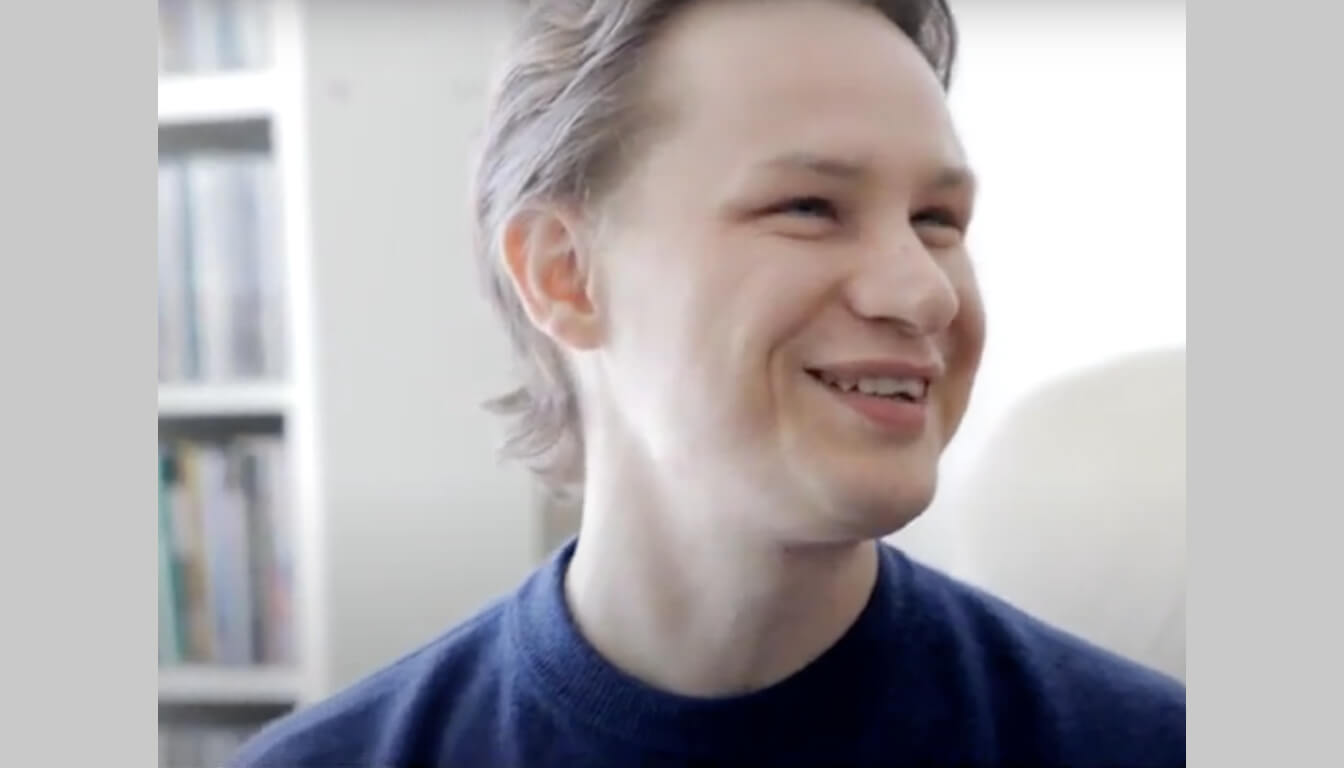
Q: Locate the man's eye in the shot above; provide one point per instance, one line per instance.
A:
(810, 207)
(937, 217)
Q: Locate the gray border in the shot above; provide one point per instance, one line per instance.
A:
(1265, 167)
(1267, 163)
(76, 312)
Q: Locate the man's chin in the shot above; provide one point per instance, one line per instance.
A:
(878, 512)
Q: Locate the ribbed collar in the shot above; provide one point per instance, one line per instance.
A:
(824, 701)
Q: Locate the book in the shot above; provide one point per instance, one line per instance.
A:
(226, 560)
(222, 514)
(200, 36)
(258, 474)
(236, 549)
(246, 312)
(188, 518)
(256, 30)
(221, 269)
(243, 34)
(271, 259)
(174, 33)
(174, 309)
(203, 744)
(170, 636)
(280, 607)
(214, 242)
(204, 26)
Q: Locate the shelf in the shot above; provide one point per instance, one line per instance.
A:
(186, 401)
(228, 685)
(216, 98)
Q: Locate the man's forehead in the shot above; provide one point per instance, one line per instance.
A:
(857, 99)
(751, 44)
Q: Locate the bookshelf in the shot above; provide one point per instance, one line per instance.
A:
(201, 112)
(369, 112)
(209, 98)
(200, 684)
(187, 401)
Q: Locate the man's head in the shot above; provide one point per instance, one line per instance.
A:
(713, 226)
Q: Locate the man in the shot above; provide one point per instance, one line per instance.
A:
(728, 241)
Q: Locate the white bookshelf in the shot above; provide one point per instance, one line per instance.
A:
(369, 111)
(212, 98)
(191, 103)
(200, 684)
(199, 401)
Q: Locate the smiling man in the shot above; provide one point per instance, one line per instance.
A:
(728, 241)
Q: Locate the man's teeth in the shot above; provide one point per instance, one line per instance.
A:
(883, 386)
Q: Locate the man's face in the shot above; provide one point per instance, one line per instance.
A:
(790, 313)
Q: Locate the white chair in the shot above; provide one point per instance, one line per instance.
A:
(1075, 509)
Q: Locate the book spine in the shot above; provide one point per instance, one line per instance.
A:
(211, 485)
(180, 551)
(259, 541)
(195, 745)
(204, 35)
(272, 267)
(239, 558)
(196, 583)
(221, 513)
(229, 35)
(170, 649)
(246, 278)
(173, 317)
(254, 27)
(280, 613)
(174, 31)
(188, 285)
(214, 238)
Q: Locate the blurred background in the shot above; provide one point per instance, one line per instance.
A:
(329, 495)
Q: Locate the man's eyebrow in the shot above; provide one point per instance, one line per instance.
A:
(824, 165)
(946, 177)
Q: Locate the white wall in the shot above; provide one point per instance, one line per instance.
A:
(421, 524)
(1074, 116)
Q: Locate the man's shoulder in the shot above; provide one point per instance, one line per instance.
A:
(383, 717)
(1046, 679)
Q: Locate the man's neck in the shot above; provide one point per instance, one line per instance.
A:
(696, 606)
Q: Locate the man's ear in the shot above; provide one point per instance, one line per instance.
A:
(543, 254)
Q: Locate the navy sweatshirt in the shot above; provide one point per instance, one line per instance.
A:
(933, 672)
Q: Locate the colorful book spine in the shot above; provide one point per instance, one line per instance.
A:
(170, 635)
(225, 575)
(189, 504)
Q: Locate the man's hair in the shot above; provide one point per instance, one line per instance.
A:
(561, 120)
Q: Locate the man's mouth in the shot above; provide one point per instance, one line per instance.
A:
(911, 389)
